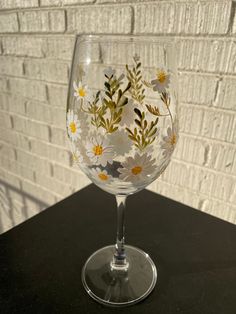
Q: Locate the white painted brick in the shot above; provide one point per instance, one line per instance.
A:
(57, 95)
(15, 4)
(11, 66)
(219, 209)
(59, 137)
(10, 178)
(223, 187)
(31, 128)
(51, 152)
(5, 120)
(34, 162)
(7, 151)
(33, 207)
(64, 2)
(226, 98)
(38, 130)
(183, 18)
(218, 125)
(73, 176)
(211, 55)
(50, 3)
(191, 150)
(191, 119)
(8, 23)
(12, 103)
(59, 48)
(29, 89)
(222, 157)
(38, 111)
(19, 124)
(120, 53)
(28, 46)
(47, 70)
(52, 184)
(12, 137)
(42, 194)
(3, 84)
(59, 118)
(197, 88)
(42, 21)
(107, 19)
(14, 167)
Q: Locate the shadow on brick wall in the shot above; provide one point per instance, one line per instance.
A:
(16, 206)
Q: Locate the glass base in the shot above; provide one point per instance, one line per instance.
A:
(119, 287)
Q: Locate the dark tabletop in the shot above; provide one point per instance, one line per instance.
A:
(195, 255)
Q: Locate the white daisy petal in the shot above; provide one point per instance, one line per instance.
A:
(81, 91)
(73, 126)
(100, 175)
(77, 156)
(162, 81)
(99, 151)
(109, 72)
(169, 142)
(121, 142)
(137, 169)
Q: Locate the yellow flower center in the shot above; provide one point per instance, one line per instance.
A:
(75, 157)
(73, 127)
(98, 150)
(103, 176)
(81, 91)
(161, 76)
(173, 139)
(136, 170)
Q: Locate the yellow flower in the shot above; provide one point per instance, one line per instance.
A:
(137, 169)
(100, 175)
(73, 125)
(81, 91)
(162, 81)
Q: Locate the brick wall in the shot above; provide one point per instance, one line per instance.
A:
(36, 43)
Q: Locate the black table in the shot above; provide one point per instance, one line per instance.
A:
(195, 254)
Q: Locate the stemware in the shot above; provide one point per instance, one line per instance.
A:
(122, 129)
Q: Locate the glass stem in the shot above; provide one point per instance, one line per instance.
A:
(119, 259)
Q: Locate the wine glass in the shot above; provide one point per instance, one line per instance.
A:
(122, 129)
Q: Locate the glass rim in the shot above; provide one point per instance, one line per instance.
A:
(125, 38)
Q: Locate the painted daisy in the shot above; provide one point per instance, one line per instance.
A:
(100, 175)
(162, 81)
(100, 151)
(109, 72)
(77, 156)
(137, 168)
(73, 125)
(81, 91)
(169, 142)
(122, 144)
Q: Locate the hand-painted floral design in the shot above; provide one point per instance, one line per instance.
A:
(77, 156)
(109, 72)
(120, 125)
(73, 126)
(137, 168)
(101, 175)
(169, 141)
(121, 143)
(162, 81)
(99, 150)
(81, 91)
